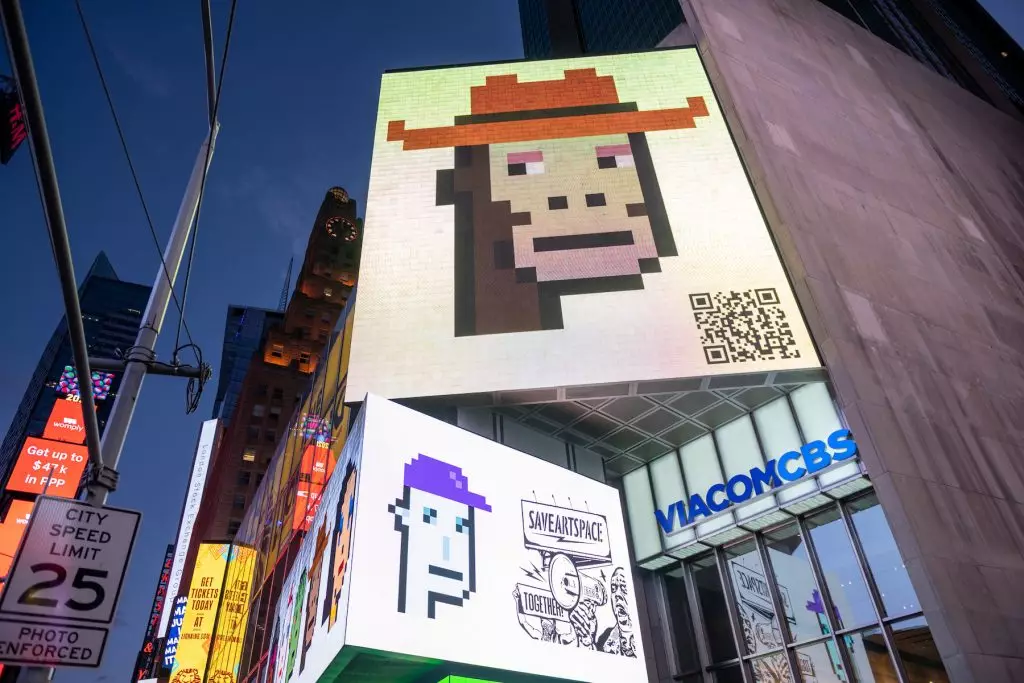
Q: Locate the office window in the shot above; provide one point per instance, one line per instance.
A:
(249, 455)
(328, 292)
(270, 436)
(303, 358)
(325, 317)
(252, 434)
(259, 410)
(238, 503)
(309, 313)
(277, 350)
(244, 478)
(261, 390)
(275, 410)
(233, 527)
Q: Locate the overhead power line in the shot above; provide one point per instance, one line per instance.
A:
(206, 168)
(131, 167)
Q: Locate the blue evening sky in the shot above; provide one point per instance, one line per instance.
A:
(297, 117)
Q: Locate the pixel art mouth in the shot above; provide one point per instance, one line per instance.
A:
(445, 573)
(621, 238)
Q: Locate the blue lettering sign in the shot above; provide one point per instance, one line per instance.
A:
(815, 455)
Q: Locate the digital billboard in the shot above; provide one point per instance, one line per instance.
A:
(51, 467)
(177, 620)
(101, 383)
(66, 421)
(314, 470)
(226, 655)
(558, 223)
(193, 499)
(204, 597)
(432, 542)
(11, 531)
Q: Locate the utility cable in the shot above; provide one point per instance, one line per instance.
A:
(202, 184)
(135, 177)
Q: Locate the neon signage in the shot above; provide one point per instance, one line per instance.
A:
(782, 471)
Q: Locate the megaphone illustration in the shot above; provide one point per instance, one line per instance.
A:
(569, 587)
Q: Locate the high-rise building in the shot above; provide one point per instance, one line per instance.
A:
(111, 312)
(562, 28)
(244, 333)
(957, 39)
(278, 374)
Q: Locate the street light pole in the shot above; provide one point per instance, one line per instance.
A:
(144, 349)
(46, 175)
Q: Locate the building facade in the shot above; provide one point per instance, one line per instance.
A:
(958, 40)
(244, 333)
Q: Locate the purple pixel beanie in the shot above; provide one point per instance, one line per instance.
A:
(442, 479)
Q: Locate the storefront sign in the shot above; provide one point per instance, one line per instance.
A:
(778, 472)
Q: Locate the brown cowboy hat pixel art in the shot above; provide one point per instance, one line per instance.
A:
(554, 192)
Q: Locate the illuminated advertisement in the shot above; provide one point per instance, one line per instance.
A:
(193, 499)
(177, 614)
(314, 471)
(147, 655)
(51, 467)
(66, 421)
(575, 221)
(226, 655)
(11, 531)
(204, 595)
(433, 532)
(101, 383)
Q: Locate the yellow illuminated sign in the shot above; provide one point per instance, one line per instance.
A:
(204, 597)
(233, 617)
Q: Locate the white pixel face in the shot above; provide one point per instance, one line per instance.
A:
(439, 560)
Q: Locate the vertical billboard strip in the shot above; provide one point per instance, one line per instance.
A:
(193, 499)
(204, 598)
(226, 654)
(174, 631)
(578, 221)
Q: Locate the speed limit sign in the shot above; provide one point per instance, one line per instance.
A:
(61, 594)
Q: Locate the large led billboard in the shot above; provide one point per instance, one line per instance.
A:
(204, 596)
(432, 542)
(233, 617)
(558, 223)
(51, 467)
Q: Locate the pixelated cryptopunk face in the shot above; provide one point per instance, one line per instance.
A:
(577, 204)
(437, 563)
(580, 221)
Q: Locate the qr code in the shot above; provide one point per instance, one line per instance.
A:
(737, 327)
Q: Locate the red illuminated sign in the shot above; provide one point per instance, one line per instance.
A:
(66, 421)
(12, 125)
(11, 531)
(49, 467)
(314, 471)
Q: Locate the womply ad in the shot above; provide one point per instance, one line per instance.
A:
(816, 456)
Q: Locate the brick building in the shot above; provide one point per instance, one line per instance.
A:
(280, 375)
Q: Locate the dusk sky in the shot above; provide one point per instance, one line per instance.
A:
(297, 115)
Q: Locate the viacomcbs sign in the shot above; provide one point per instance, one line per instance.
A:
(789, 467)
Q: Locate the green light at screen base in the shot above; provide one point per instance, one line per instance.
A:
(464, 679)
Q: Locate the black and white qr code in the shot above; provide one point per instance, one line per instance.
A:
(738, 327)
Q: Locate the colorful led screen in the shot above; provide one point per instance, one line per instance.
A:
(434, 543)
(101, 383)
(573, 222)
